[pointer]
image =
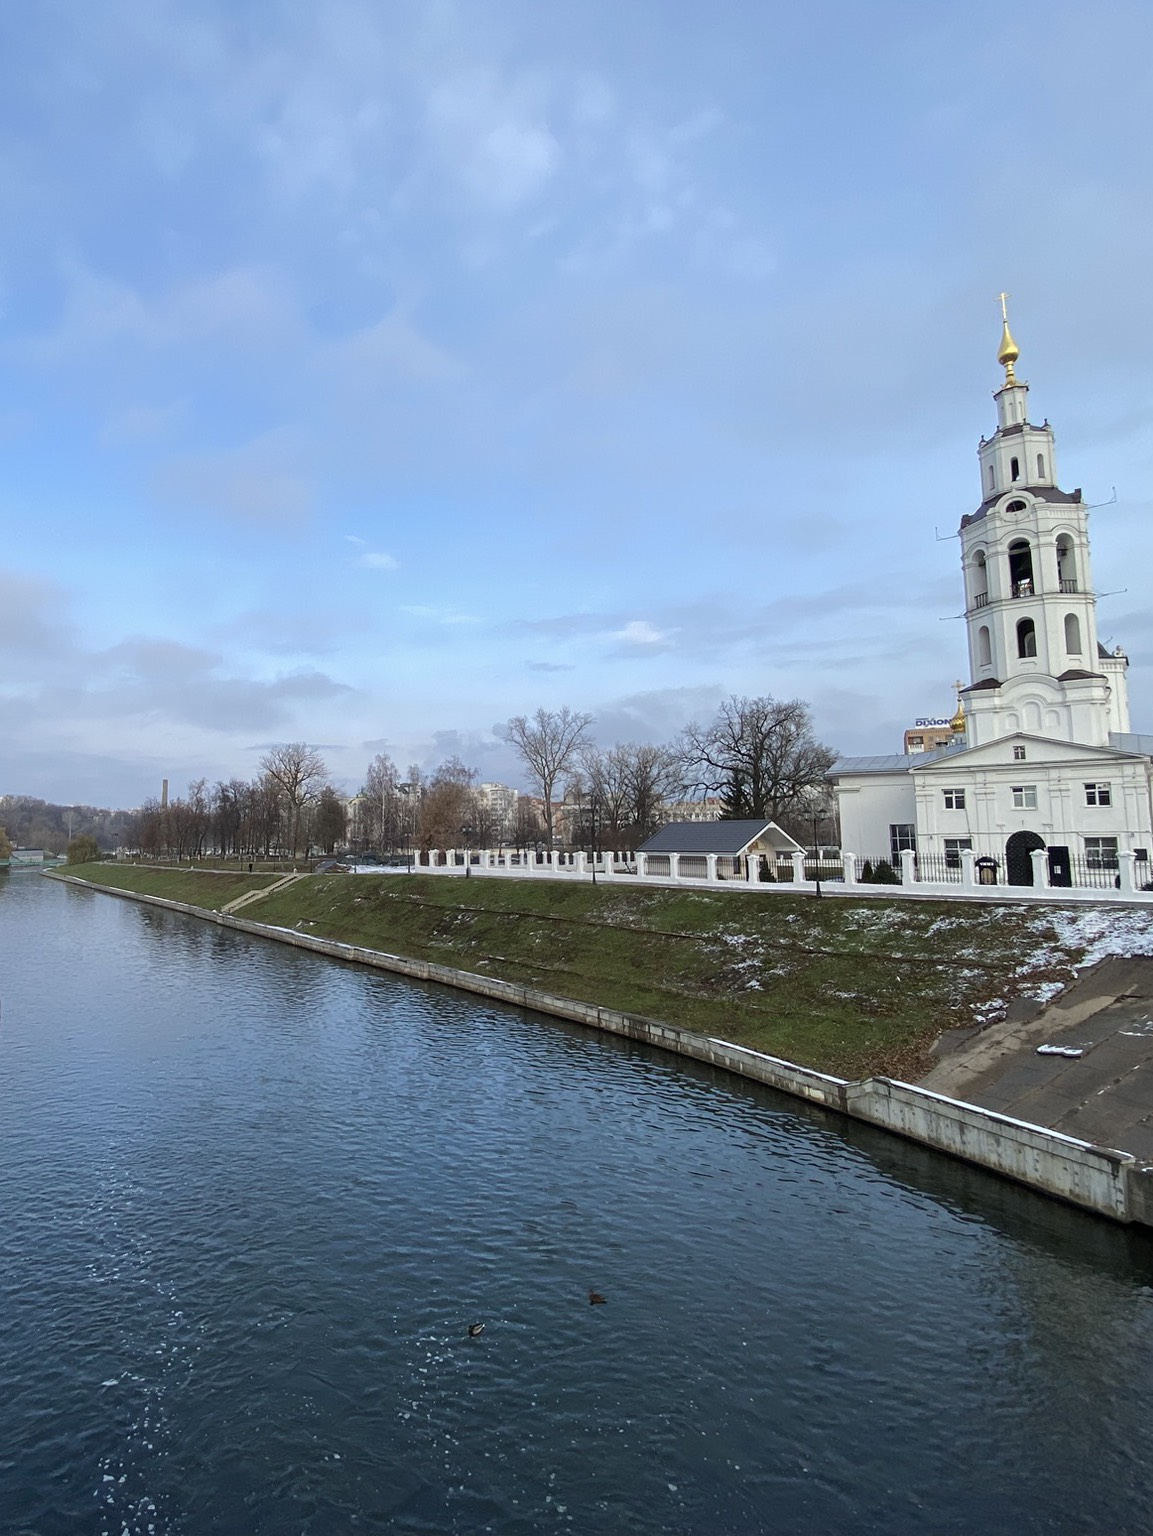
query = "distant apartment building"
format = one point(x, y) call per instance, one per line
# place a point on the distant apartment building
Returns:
point(708, 809)
point(928, 736)
point(498, 802)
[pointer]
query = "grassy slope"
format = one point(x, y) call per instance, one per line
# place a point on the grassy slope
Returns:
point(199, 888)
point(846, 986)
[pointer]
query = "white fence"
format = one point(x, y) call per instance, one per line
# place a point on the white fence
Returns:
point(786, 873)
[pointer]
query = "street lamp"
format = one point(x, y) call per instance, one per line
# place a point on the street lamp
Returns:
point(817, 819)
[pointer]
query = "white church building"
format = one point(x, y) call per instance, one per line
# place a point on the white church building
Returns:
point(1043, 782)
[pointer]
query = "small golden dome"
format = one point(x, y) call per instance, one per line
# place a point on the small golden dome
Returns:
point(958, 723)
point(1009, 351)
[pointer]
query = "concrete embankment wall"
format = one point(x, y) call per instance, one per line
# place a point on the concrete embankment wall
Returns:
point(1099, 1179)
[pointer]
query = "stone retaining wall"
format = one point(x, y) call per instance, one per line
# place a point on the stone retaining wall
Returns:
point(1099, 1179)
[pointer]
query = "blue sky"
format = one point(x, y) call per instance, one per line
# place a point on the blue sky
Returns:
point(371, 372)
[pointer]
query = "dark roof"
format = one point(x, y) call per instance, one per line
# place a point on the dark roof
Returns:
point(1102, 653)
point(986, 682)
point(705, 837)
point(1048, 493)
point(1075, 674)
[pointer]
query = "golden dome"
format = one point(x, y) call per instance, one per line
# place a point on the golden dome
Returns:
point(958, 723)
point(1009, 351)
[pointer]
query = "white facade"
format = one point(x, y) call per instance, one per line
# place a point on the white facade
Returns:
point(1041, 757)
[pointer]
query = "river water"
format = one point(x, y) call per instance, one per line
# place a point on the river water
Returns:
point(251, 1199)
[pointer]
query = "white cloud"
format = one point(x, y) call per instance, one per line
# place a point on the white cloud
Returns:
point(640, 632)
point(261, 481)
point(378, 560)
point(492, 137)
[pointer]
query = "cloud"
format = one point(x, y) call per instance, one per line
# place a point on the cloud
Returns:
point(492, 136)
point(377, 560)
point(639, 633)
point(143, 423)
point(390, 349)
point(449, 616)
point(261, 481)
point(238, 308)
point(550, 666)
point(657, 715)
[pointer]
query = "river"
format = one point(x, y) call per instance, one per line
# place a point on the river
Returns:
point(251, 1199)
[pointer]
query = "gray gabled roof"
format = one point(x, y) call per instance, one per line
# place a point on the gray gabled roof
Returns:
point(891, 762)
point(1132, 741)
point(707, 837)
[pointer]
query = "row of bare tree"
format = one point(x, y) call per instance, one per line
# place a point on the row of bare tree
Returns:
point(758, 755)
point(291, 808)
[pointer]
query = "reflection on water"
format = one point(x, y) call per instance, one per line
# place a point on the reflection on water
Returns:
point(252, 1199)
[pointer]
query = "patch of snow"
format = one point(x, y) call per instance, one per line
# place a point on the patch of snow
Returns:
point(1100, 931)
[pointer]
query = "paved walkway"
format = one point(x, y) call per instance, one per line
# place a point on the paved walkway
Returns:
point(1103, 1096)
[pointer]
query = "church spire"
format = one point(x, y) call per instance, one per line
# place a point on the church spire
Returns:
point(1009, 351)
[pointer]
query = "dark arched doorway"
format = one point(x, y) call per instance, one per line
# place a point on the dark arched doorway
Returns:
point(1018, 864)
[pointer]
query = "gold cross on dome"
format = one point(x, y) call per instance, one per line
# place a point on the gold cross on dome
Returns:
point(1004, 310)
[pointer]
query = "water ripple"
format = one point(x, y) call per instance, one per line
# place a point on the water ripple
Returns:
point(253, 1199)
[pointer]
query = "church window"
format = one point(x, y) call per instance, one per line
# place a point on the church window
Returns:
point(1066, 564)
point(954, 799)
point(1015, 506)
point(980, 580)
point(1014, 469)
point(953, 849)
point(1026, 638)
point(1018, 754)
point(1072, 634)
point(1024, 797)
point(902, 834)
point(1098, 794)
point(1101, 852)
point(1021, 568)
point(1040, 466)
point(984, 647)
point(992, 479)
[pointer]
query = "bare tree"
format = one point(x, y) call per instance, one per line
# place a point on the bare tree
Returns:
point(300, 773)
point(547, 745)
point(652, 775)
point(759, 755)
point(448, 808)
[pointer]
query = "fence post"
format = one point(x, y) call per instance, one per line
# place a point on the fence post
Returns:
point(1040, 857)
point(1125, 862)
point(908, 866)
point(642, 865)
point(968, 869)
point(849, 868)
point(710, 866)
point(798, 867)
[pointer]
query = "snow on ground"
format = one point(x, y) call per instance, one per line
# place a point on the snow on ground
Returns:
point(1102, 931)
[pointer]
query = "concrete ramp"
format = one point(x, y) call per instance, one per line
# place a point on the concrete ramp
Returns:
point(1104, 1094)
point(251, 896)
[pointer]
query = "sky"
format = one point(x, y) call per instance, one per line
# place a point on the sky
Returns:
point(376, 370)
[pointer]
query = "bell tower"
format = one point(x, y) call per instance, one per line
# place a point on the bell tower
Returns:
point(1030, 611)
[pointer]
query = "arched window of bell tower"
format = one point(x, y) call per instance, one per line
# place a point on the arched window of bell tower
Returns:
point(1066, 564)
point(980, 580)
point(1026, 638)
point(1072, 634)
point(984, 647)
point(992, 479)
point(1040, 466)
point(1014, 469)
point(1020, 568)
